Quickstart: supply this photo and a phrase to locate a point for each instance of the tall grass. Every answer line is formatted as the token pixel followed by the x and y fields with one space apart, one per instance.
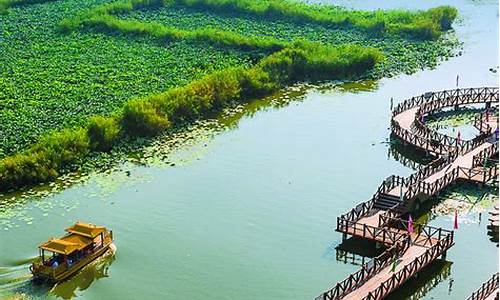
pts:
pixel 156 113
pixel 288 63
pixel 429 24
pixel 110 23
pixel 422 24
pixel 44 160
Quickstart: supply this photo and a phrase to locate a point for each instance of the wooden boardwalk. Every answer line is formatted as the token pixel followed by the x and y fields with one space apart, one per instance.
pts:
pixel 383 218
pixel 487 291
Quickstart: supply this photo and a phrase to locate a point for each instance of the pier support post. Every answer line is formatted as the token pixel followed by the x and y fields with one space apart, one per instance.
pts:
pixel 456 107
pixel 443 256
pixel 488 105
pixel 344 236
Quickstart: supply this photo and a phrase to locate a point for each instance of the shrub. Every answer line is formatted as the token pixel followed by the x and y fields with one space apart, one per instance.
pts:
pixel 44 160
pixel 142 118
pixel 103 132
pixel 255 83
pixel 443 16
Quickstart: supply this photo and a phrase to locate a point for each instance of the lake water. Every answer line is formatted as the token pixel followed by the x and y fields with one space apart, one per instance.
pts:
pixel 250 212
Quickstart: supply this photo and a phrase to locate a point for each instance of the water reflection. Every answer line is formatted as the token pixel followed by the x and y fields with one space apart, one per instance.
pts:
pixel 418 287
pixel 410 157
pixel 17 281
pixel 81 281
pixel 493 234
pixel 357 251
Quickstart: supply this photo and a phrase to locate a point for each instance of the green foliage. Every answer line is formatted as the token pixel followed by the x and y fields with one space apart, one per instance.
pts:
pixel 142 118
pixel 202 97
pixel 426 24
pixel 109 71
pixel 423 24
pixel 443 15
pixel 103 132
pixel 50 81
pixel 316 62
pixel 236 85
pixel 45 159
pixel 6 4
pixel 207 35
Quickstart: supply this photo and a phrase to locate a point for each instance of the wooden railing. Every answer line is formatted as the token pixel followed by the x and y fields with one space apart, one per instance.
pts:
pixel 431 140
pixel 417 188
pixel 453 97
pixel 411 269
pixel 364 207
pixel 391 228
pixel 367 271
pixel 432 168
pixel 486 289
pixel 423 235
pixel 480 158
pixel 380 234
pixel 481 124
pixel 429 189
pixel 427 144
pixel 462 146
pixel 482 175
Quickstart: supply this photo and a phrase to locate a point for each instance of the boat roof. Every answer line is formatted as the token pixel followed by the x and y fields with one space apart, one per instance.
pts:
pixel 86 229
pixel 67 244
pixel 80 236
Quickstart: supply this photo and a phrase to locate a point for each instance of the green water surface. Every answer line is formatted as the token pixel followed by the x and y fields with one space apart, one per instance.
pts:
pixel 249 213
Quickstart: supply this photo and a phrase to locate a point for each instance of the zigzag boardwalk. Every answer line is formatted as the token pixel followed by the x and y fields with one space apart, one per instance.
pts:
pixel 382 218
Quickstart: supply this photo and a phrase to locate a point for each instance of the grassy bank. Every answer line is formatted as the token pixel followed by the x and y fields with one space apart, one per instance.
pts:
pixel 426 25
pixel 429 24
pixel 210 67
pixel 156 113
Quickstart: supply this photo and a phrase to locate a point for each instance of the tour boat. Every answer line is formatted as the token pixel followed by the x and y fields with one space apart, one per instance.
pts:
pixel 80 246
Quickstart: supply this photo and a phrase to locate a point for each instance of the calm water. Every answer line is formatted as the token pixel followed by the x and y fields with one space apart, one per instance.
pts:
pixel 250 213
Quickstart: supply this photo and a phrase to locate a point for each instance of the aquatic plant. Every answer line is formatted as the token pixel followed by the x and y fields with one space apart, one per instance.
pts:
pixel 6 4
pixel 45 159
pixel 103 132
pixel 422 24
pixel 153 114
pixel 266 61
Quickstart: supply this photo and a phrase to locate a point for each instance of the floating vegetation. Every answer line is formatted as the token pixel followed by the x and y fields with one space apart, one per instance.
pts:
pixel 452 118
pixel 107 172
pixel 265 63
pixel 466 198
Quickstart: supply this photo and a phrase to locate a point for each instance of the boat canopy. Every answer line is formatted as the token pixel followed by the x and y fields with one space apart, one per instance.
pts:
pixel 66 245
pixel 86 230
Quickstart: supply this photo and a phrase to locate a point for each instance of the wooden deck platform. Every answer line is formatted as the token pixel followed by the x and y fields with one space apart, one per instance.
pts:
pixel 382 218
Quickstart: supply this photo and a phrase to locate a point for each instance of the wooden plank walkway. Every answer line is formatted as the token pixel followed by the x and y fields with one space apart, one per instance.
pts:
pixel 493 295
pixel 371 285
pixel 380 219
pixel 487 291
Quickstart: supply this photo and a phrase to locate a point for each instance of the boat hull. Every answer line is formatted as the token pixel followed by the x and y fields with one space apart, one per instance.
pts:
pixel 53 277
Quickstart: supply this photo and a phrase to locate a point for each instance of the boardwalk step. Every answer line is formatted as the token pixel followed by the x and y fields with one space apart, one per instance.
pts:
pixel 391 197
pixel 385 202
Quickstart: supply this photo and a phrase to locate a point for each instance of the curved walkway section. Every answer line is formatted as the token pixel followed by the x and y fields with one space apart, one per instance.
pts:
pixel 411 247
